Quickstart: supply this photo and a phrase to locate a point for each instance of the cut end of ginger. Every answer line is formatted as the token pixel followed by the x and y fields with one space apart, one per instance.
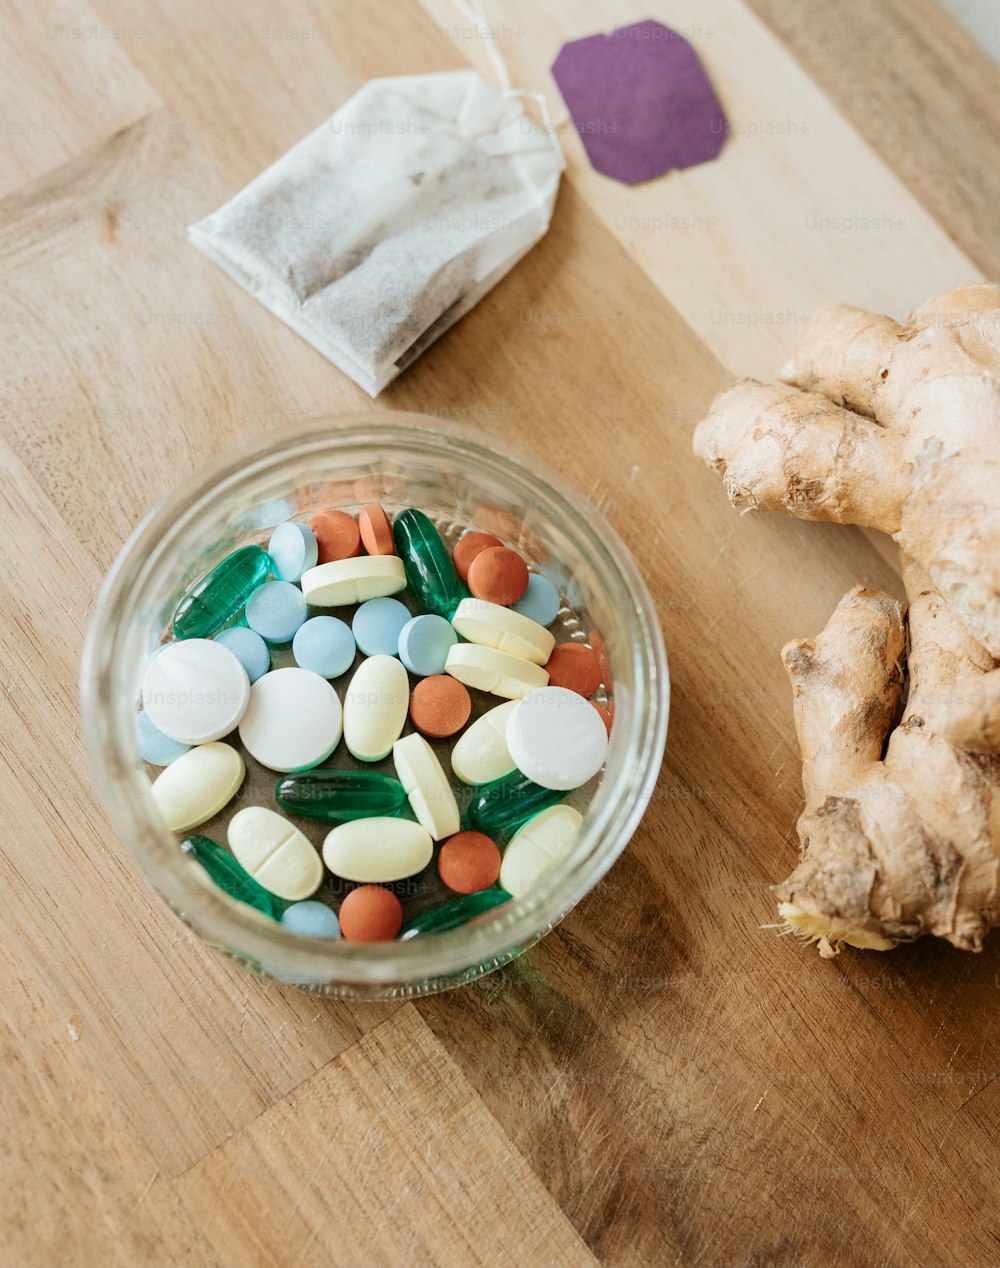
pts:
pixel 830 933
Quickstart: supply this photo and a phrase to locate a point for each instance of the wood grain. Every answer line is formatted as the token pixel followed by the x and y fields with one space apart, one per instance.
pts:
pixel 745 247
pixel 149 996
pixel 300 1178
pixel 68 84
pixel 661 1080
pixel 922 93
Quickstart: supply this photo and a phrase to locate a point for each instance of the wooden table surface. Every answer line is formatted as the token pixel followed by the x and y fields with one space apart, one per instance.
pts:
pixel 661 1080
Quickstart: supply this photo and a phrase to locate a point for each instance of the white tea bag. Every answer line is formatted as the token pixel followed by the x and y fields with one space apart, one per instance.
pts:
pixel 385 225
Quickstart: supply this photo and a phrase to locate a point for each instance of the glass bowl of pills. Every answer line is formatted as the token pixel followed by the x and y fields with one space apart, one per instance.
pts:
pixel 374 701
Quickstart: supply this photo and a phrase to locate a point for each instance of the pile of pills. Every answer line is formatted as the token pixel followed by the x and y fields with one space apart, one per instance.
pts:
pixel 408 800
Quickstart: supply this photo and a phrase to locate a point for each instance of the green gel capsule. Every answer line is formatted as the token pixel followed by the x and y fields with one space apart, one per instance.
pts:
pixel 225 872
pixel 454 914
pixel 335 796
pixel 220 594
pixel 430 574
pixel 507 803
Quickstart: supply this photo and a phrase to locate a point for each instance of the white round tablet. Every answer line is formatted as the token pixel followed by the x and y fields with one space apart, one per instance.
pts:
pixel 195 691
pixel 557 738
pixel 294 720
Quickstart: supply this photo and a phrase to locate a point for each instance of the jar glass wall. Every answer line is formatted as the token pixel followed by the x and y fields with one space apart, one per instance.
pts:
pixel 463 481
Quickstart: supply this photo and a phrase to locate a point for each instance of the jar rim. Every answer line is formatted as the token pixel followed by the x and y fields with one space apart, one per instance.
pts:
pixel 412 966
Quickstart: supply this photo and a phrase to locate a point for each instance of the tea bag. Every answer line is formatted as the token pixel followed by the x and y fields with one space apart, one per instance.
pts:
pixel 380 229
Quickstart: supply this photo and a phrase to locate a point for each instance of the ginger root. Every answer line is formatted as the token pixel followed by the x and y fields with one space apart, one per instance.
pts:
pixel 908 844
pixel 896 428
pixel 891 427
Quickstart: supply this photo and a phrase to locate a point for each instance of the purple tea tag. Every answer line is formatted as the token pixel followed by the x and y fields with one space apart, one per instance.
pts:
pixel 641 101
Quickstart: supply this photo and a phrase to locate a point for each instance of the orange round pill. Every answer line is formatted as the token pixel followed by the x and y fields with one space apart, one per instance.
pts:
pixel 596 640
pixel 376 531
pixel 498 575
pixel 440 706
pixel 370 914
pixel 469 862
pixel 337 535
pixel 605 715
pixel 576 667
pixel 471 545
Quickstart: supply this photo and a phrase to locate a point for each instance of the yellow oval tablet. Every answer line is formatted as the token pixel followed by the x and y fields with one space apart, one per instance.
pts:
pixel 377 850
pixel 375 707
pixel 427 786
pixel 543 842
pixel 198 785
pixel 487 669
pixel 275 853
pixel 481 754
pixel 344 581
pixel 491 625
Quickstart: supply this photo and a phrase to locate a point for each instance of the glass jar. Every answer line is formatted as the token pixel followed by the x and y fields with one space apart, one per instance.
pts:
pixel 463 480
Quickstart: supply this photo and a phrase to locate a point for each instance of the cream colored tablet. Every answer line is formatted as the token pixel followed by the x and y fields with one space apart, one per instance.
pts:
pixel 197 785
pixel 427 786
pixel 375 706
pixel 346 581
pixel 543 842
pixel 498 672
pixel 377 850
pixel 481 754
pixel 275 853
pixel 490 625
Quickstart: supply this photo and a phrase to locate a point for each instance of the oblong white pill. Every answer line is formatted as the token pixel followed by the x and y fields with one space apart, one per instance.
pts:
pixel 198 785
pixel 344 581
pixel 543 842
pixel 487 669
pixel 195 691
pixel 275 853
pixel 294 720
pixel 427 786
pixel 491 625
pixel 377 850
pixel 481 754
pixel 557 738
pixel 375 706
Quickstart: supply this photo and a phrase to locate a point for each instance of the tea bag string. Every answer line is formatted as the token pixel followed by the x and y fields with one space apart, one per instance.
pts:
pixel 476 14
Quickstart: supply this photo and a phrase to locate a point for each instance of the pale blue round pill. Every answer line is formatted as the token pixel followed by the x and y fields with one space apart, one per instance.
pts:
pixel 248 648
pixel 155 747
pixel 325 645
pixel 315 920
pixel 424 644
pixel 540 602
pixel 378 624
pixel 293 550
pixel 275 611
